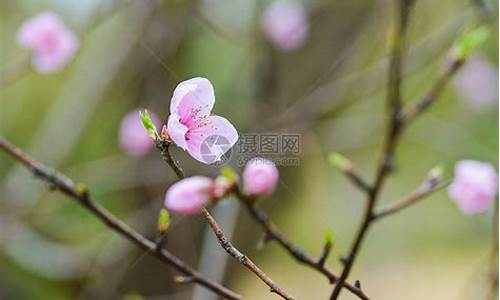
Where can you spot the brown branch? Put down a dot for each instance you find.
(296, 252)
(386, 165)
(426, 189)
(242, 258)
(432, 95)
(163, 145)
(80, 193)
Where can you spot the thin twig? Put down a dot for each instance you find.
(242, 258)
(423, 191)
(273, 233)
(432, 95)
(394, 102)
(163, 146)
(82, 196)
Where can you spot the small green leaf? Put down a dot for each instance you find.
(470, 41)
(81, 188)
(339, 161)
(329, 237)
(148, 124)
(435, 174)
(163, 221)
(229, 173)
(133, 296)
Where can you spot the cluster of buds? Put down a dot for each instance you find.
(190, 195)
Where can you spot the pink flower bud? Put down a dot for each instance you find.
(477, 83)
(474, 186)
(260, 177)
(189, 195)
(52, 43)
(134, 138)
(285, 24)
(222, 186)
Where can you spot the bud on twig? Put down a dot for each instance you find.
(435, 175)
(326, 248)
(469, 42)
(340, 162)
(163, 221)
(148, 124)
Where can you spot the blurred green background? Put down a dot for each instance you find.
(331, 91)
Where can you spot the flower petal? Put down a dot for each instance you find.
(189, 195)
(210, 139)
(177, 131)
(193, 100)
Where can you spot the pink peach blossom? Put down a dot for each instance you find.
(474, 186)
(477, 83)
(285, 24)
(134, 139)
(52, 43)
(260, 177)
(189, 195)
(192, 128)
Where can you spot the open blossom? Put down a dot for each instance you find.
(285, 24)
(189, 195)
(477, 83)
(191, 127)
(260, 177)
(474, 186)
(133, 137)
(52, 43)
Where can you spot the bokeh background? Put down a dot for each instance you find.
(330, 90)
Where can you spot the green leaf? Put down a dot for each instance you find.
(148, 124)
(329, 237)
(81, 188)
(229, 173)
(470, 41)
(339, 161)
(163, 221)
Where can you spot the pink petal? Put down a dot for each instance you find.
(474, 186)
(52, 43)
(177, 131)
(209, 139)
(189, 195)
(260, 177)
(134, 139)
(193, 100)
(285, 24)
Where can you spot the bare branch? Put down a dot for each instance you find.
(82, 196)
(432, 95)
(163, 145)
(295, 251)
(242, 258)
(426, 189)
(394, 127)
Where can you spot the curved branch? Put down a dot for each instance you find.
(82, 196)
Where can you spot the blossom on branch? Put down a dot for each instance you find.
(260, 177)
(188, 196)
(52, 43)
(191, 127)
(474, 186)
(285, 24)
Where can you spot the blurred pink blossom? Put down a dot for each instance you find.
(189, 195)
(134, 139)
(474, 186)
(52, 43)
(192, 128)
(285, 24)
(477, 83)
(260, 177)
